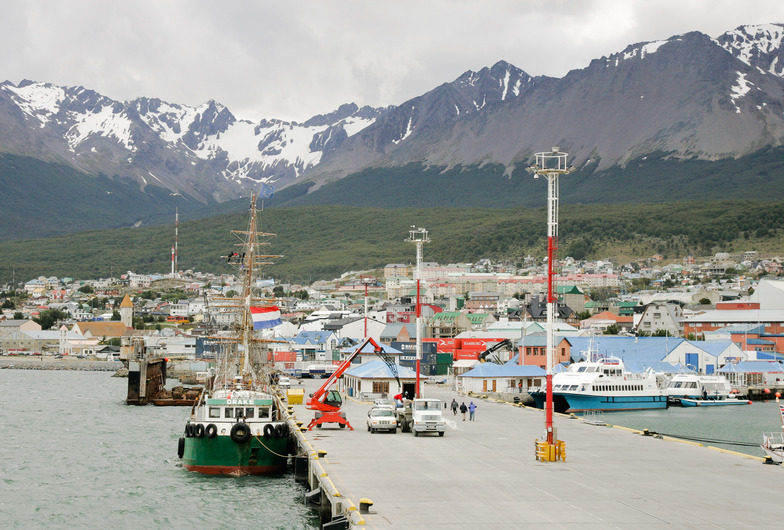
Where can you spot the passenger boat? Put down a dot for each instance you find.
(603, 385)
(773, 442)
(698, 387)
(237, 426)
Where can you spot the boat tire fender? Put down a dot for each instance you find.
(180, 447)
(188, 430)
(240, 433)
(269, 430)
(211, 431)
(281, 430)
(198, 430)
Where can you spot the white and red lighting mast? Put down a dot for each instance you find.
(367, 280)
(418, 236)
(551, 165)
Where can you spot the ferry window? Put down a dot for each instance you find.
(581, 369)
(249, 412)
(229, 412)
(214, 412)
(263, 412)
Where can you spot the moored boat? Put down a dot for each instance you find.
(773, 442)
(237, 427)
(698, 387)
(603, 385)
(688, 402)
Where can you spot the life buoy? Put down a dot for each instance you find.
(269, 430)
(211, 431)
(198, 430)
(180, 447)
(281, 430)
(240, 433)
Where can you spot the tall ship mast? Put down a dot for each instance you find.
(237, 425)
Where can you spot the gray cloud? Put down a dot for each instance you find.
(294, 59)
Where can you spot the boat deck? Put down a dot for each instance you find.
(483, 474)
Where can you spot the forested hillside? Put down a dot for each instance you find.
(322, 242)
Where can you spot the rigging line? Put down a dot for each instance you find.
(259, 439)
(707, 440)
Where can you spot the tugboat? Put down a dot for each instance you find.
(237, 426)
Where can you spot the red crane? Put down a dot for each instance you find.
(327, 402)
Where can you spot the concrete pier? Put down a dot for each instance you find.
(483, 474)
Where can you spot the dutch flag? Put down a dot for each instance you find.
(265, 317)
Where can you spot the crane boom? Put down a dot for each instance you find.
(327, 403)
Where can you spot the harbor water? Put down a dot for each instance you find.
(75, 456)
(736, 427)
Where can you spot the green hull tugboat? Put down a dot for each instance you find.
(237, 426)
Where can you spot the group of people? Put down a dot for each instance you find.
(471, 409)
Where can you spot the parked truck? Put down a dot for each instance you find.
(421, 416)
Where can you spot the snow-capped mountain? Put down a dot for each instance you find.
(685, 96)
(203, 151)
(690, 97)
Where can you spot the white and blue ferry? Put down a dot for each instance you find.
(603, 385)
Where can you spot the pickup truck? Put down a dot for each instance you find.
(421, 416)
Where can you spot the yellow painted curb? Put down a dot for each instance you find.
(730, 452)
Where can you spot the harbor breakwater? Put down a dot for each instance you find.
(44, 363)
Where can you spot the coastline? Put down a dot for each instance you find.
(49, 363)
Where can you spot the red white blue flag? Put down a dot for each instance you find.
(265, 317)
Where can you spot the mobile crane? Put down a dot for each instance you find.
(327, 402)
(487, 354)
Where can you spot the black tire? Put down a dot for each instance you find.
(416, 433)
(269, 431)
(441, 433)
(188, 430)
(198, 430)
(318, 426)
(211, 431)
(342, 425)
(240, 433)
(281, 430)
(180, 447)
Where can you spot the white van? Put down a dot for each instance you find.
(284, 383)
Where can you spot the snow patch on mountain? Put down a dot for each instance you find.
(105, 121)
(38, 100)
(646, 49)
(740, 89)
(753, 44)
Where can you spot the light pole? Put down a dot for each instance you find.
(418, 236)
(551, 165)
(366, 280)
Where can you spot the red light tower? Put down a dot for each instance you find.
(418, 236)
(551, 165)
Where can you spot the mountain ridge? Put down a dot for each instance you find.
(687, 97)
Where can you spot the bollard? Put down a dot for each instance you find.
(364, 505)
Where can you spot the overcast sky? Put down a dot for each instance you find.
(293, 59)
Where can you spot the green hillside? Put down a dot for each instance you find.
(320, 242)
(42, 199)
(650, 179)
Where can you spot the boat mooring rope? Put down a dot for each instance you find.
(704, 440)
(273, 452)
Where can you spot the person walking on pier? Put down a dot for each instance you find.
(471, 410)
(454, 407)
(463, 409)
